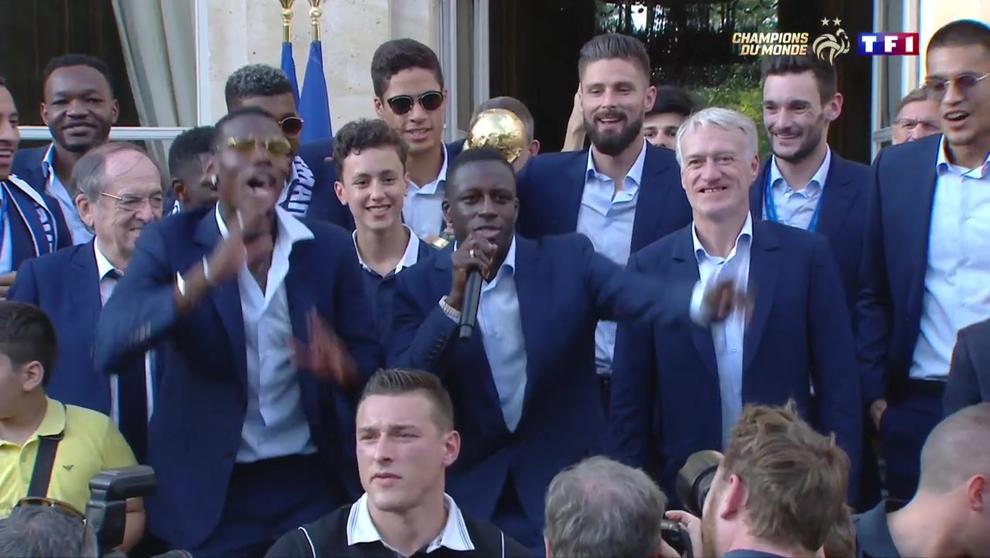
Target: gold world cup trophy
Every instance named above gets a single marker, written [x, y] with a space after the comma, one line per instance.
[498, 129]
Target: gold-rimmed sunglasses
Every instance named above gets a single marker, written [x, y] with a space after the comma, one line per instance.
[277, 146]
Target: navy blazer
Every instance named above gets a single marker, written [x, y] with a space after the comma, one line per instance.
[66, 285]
[564, 288]
[969, 375]
[315, 154]
[666, 402]
[551, 186]
[895, 259]
[36, 224]
[195, 432]
[27, 167]
[842, 218]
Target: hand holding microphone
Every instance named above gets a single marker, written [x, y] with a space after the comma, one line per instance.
[472, 262]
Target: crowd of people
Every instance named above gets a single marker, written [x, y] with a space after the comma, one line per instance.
[275, 328]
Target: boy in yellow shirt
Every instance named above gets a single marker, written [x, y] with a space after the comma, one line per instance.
[48, 449]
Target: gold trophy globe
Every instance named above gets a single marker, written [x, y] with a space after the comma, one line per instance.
[498, 129]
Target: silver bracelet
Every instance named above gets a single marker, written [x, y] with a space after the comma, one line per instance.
[206, 272]
[450, 311]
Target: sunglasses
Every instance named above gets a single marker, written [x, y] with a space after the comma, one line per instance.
[965, 81]
[291, 125]
[401, 104]
[277, 146]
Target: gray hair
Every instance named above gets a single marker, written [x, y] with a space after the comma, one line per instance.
[724, 118]
[919, 94]
[45, 532]
[255, 80]
[89, 176]
[600, 508]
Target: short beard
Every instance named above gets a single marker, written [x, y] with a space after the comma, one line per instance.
[613, 144]
[808, 146]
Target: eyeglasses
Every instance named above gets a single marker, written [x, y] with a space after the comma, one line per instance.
[430, 101]
[964, 82]
[291, 125]
[131, 203]
[60, 507]
[277, 146]
[908, 124]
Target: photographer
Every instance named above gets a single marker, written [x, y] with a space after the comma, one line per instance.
[778, 491]
[38, 529]
[950, 512]
[601, 508]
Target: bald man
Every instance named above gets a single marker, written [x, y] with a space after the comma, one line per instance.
[950, 512]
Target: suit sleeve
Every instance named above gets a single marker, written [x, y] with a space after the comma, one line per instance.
[419, 336]
[837, 388]
[873, 306]
[632, 394]
[142, 308]
[962, 388]
[626, 296]
[25, 287]
[353, 320]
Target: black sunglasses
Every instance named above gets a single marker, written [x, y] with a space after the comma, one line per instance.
[401, 104]
[291, 125]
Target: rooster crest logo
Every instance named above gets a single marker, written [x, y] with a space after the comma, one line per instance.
[830, 45]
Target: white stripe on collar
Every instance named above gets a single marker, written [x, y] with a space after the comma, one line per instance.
[361, 529]
[409, 257]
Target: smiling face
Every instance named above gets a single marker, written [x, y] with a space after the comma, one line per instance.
[79, 108]
[615, 95]
[373, 185]
[660, 129]
[965, 114]
[402, 452]
[481, 198]
[9, 133]
[422, 129]
[717, 170]
[794, 115]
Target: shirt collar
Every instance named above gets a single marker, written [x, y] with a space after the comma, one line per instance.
[54, 421]
[361, 529]
[437, 186]
[746, 232]
[817, 181]
[943, 166]
[873, 533]
[103, 265]
[409, 258]
[635, 171]
[48, 163]
[289, 228]
[508, 267]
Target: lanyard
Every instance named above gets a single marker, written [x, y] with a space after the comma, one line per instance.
[771, 206]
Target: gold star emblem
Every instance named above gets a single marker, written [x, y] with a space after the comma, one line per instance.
[824, 22]
[837, 22]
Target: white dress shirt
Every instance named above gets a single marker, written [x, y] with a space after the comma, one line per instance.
[957, 278]
[55, 188]
[275, 424]
[423, 208]
[361, 528]
[797, 207]
[606, 217]
[728, 335]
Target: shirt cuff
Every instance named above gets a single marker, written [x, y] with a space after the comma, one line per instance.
[699, 314]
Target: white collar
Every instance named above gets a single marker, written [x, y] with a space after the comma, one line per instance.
[820, 175]
[103, 265]
[409, 258]
[635, 171]
[48, 161]
[361, 529]
[289, 228]
[508, 266]
[434, 186]
[745, 232]
[943, 165]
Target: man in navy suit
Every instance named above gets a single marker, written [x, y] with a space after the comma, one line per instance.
[810, 186]
[622, 193]
[926, 258]
[410, 96]
[31, 223]
[969, 375]
[678, 388]
[79, 109]
[120, 193]
[249, 437]
[524, 386]
[268, 88]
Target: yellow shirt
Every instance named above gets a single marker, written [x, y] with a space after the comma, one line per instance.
[91, 443]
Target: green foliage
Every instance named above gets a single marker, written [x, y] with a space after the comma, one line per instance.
[739, 90]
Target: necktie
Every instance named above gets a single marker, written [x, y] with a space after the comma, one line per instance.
[132, 396]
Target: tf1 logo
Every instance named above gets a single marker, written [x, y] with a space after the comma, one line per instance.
[888, 44]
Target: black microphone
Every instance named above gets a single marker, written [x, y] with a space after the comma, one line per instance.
[469, 312]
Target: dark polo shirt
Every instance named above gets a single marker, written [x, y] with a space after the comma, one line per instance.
[872, 534]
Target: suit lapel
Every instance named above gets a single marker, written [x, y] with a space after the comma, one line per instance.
[838, 196]
[84, 291]
[756, 191]
[920, 212]
[569, 198]
[686, 269]
[652, 200]
[534, 293]
[764, 266]
[225, 297]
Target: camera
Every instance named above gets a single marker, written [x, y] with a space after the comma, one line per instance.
[695, 478]
[678, 539]
[106, 511]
